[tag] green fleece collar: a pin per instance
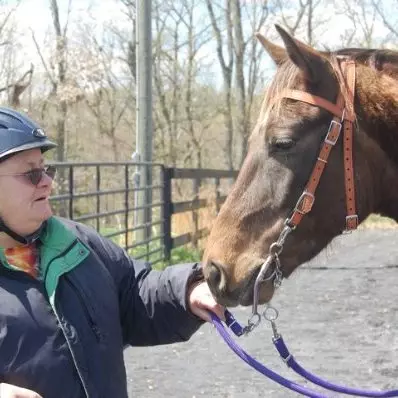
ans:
(60, 252)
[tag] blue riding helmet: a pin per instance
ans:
(19, 133)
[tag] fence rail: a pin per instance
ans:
(104, 196)
(195, 203)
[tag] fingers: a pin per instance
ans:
(202, 314)
(219, 310)
(201, 301)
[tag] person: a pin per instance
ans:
(71, 300)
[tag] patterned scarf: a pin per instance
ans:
(24, 258)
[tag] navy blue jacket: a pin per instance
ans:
(64, 335)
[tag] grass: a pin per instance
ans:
(183, 254)
(179, 255)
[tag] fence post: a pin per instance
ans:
(143, 201)
(126, 205)
(218, 194)
(166, 176)
(195, 215)
(71, 189)
(98, 187)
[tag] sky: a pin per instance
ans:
(35, 15)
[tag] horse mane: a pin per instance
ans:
(378, 84)
(285, 77)
(383, 60)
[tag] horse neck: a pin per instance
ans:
(377, 114)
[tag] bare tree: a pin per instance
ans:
(60, 80)
(257, 16)
(189, 81)
(179, 116)
(389, 23)
(107, 98)
(239, 47)
(196, 124)
(363, 19)
(226, 63)
(60, 96)
(17, 88)
(13, 81)
(56, 71)
(304, 19)
(247, 55)
(167, 79)
(239, 58)
(130, 59)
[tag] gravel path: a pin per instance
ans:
(339, 322)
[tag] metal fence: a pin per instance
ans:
(106, 196)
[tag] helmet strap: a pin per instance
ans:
(25, 240)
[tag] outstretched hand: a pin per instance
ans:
(201, 301)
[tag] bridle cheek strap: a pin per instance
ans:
(352, 217)
(344, 116)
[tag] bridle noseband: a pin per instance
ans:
(344, 117)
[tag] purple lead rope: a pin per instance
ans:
(291, 385)
(291, 362)
(280, 345)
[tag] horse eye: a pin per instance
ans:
(282, 144)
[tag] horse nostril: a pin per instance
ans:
(216, 277)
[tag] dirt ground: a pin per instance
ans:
(338, 316)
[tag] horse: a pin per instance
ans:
(322, 156)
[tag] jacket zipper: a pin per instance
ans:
(62, 326)
(71, 351)
(91, 321)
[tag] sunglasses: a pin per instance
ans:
(34, 176)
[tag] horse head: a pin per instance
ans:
(283, 152)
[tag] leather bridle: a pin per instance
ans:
(344, 116)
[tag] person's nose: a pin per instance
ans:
(45, 180)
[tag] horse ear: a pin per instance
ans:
(310, 61)
(278, 54)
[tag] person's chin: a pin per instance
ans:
(42, 210)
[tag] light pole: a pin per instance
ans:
(144, 133)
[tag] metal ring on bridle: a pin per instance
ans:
(257, 321)
(252, 323)
(275, 249)
(276, 275)
(270, 314)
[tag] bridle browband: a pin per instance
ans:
(343, 117)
